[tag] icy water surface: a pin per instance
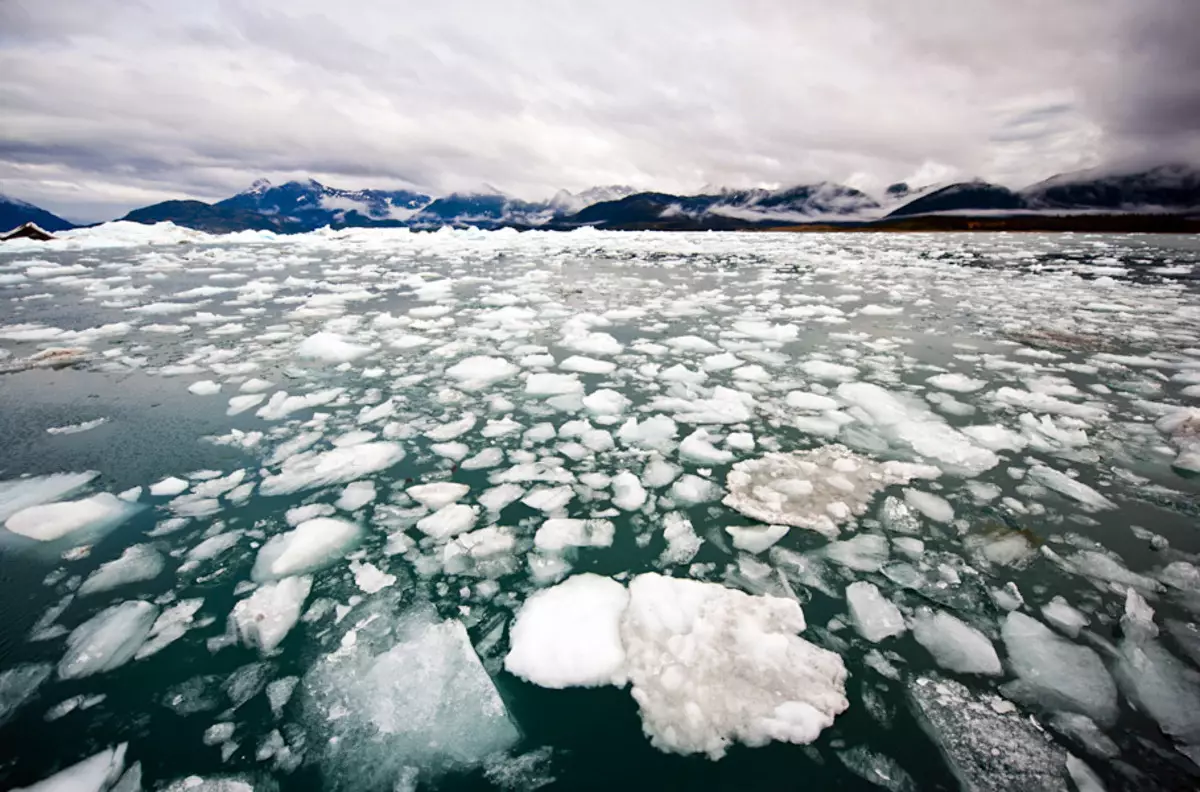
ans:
(379, 510)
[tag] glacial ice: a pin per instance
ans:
(48, 522)
(628, 493)
(136, 563)
(1065, 485)
(451, 519)
(97, 773)
(19, 494)
(873, 616)
(955, 645)
(18, 684)
(264, 619)
(818, 490)
(107, 640)
(309, 546)
(1056, 673)
(330, 348)
(437, 494)
(336, 466)
(569, 635)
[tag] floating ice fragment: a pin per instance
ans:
(690, 489)
(337, 466)
(1065, 485)
(1182, 427)
(94, 774)
(874, 617)
(239, 404)
(452, 519)
(605, 402)
(569, 635)
(107, 640)
(450, 431)
(656, 432)
(134, 565)
(817, 489)
(824, 370)
(330, 348)
(18, 684)
(204, 388)
(559, 533)
(309, 546)
(954, 644)
(959, 383)
(479, 372)
(755, 538)
(545, 384)
(932, 506)
(51, 521)
(264, 619)
(682, 541)
(437, 494)
(369, 578)
(697, 448)
(18, 494)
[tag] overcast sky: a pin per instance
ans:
(110, 104)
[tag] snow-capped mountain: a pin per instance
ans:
(14, 212)
(961, 197)
(566, 202)
(1166, 187)
(309, 204)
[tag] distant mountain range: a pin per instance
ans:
(299, 206)
(14, 213)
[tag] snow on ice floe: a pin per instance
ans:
(708, 665)
(311, 545)
(819, 490)
(569, 635)
(989, 746)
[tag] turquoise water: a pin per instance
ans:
(1094, 338)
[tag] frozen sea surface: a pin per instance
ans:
(381, 510)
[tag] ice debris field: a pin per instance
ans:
(381, 510)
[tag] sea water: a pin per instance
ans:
(372, 509)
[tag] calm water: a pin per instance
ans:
(1067, 348)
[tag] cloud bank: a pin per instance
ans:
(112, 104)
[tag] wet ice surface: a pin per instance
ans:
(381, 510)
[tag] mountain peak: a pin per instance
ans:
(258, 187)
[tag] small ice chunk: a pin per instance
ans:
(742, 441)
(107, 640)
(959, 383)
(135, 564)
(264, 619)
(587, 365)
(954, 644)
(697, 448)
(548, 384)
(559, 533)
(170, 626)
(605, 402)
(487, 458)
(569, 635)
(824, 370)
(1064, 617)
(810, 402)
(453, 450)
(1065, 485)
(451, 519)
(496, 498)
(18, 684)
(628, 493)
(337, 466)
(480, 372)
(369, 578)
(874, 617)
(438, 494)
(450, 431)
(866, 552)
(755, 538)
(279, 693)
(309, 546)
(932, 506)
(549, 499)
(239, 404)
(659, 473)
(656, 432)
(204, 388)
(691, 489)
(682, 541)
(330, 348)
(356, 495)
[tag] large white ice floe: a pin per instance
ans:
(401, 694)
(569, 635)
(311, 545)
(954, 644)
(988, 746)
(19, 494)
(77, 520)
(264, 619)
(1182, 428)
(336, 466)
(909, 424)
(107, 640)
(1055, 673)
(100, 772)
(820, 489)
(708, 665)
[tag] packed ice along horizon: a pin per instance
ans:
(390, 510)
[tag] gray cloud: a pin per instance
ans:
(109, 105)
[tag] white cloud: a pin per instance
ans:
(109, 104)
